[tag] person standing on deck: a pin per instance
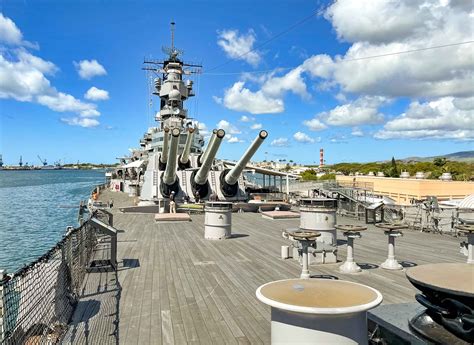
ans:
(172, 203)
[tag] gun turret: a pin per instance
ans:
(229, 178)
(169, 178)
(164, 153)
(199, 179)
(204, 155)
(183, 162)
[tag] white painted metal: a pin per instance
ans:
(297, 324)
(184, 158)
(320, 215)
(391, 263)
(234, 174)
(470, 248)
(218, 220)
(405, 174)
(305, 271)
(317, 329)
(420, 175)
(211, 151)
(350, 266)
(285, 252)
(166, 141)
(2, 309)
(169, 176)
(446, 177)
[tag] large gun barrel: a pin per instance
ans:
(201, 176)
(206, 152)
(233, 175)
(169, 177)
(184, 158)
(164, 153)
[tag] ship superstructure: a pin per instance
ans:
(171, 158)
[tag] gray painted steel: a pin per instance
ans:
(211, 151)
(233, 175)
(218, 220)
(169, 176)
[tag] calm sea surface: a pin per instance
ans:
(35, 208)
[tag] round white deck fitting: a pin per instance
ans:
(318, 311)
(319, 214)
(305, 238)
(468, 230)
(217, 220)
(392, 231)
(285, 252)
(351, 232)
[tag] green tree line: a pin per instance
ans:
(461, 171)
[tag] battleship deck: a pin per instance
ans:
(173, 286)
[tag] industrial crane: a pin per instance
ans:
(44, 162)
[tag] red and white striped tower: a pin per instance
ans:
(321, 158)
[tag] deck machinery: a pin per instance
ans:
(172, 152)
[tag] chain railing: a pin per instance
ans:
(37, 301)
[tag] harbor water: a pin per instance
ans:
(36, 206)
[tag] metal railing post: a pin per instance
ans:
(2, 307)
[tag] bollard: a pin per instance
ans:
(392, 231)
(311, 311)
(285, 252)
(218, 220)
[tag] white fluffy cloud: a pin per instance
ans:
(9, 32)
(374, 69)
(291, 81)
(11, 35)
(303, 138)
(314, 124)
(88, 69)
(375, 21)
(256, 126)
(245, 118)
(239, 98)
(228, 127)
(239, 46)
(233, 139)
(81, 122)
(95, 94)
(24, 77)
(62, 102)
(357, 132)
(362, 111)
(280, 142)
(269, 99)
(202, 128)
(385, 27)
(440, 119)
(26, 80)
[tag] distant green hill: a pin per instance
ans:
(463, 156)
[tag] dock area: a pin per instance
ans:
(174, 287)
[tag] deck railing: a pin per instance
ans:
(38, 300)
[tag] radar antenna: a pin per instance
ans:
(172, 34)
(172, 52)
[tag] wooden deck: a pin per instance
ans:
(173, 286)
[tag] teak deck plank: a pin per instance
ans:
(175, 287)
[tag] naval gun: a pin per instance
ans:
(170, 182)
(184, 162)
(164, 153)
(199, 183)
(211, 141)
(229, 178)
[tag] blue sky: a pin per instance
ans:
(304, 86)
